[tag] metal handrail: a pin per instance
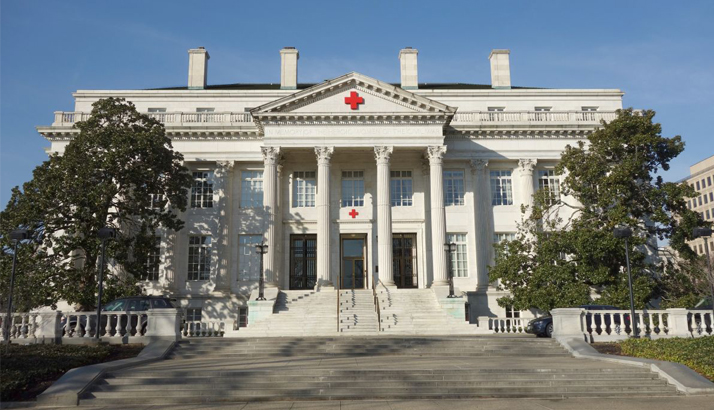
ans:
(376, 306)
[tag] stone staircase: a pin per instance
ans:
(298, 313)
(417, 312)
(357, 312)
(355, 368)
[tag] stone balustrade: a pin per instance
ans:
(79, 327)
(203, 329)
(502, 324)
(614, 325)
(532, 117)
(68, 118)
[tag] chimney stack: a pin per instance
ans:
(408, 65)
(289, 57)
(500, 69)
(197, 68)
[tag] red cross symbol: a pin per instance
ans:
(353, 213)
(353, 100)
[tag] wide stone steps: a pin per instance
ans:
(357, 313)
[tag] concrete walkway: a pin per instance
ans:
(649, 403)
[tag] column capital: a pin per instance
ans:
(435, 153)
(271, 155)
(527, 165)
(478, 165)
(324, 154)
(383, 154)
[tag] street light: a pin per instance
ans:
(449, 248)
(626, 233)
(704, 232)
(16, 236)
(261, 249)
(104, 235)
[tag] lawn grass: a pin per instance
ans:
(27, 370)
(696, 353)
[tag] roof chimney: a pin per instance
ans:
(408, 66)
(500, 69)
(197, 68)
(288, 68)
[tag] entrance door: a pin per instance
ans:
(303, 261)
(404, 262)
(353, 275)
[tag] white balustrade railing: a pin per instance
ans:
(203, 329)
(22, 326)
(700, 323)
(613, 325)
(491, 117)
(112, 324)
(63, 118)
(502, 324)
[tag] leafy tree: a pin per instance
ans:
(564, 249)
(120, 170)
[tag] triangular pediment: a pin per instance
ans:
(353, 94)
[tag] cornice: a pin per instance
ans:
(577, 134)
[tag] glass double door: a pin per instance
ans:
(353, 274)
(404, 260)
(303, 261)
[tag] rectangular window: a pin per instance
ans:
(243, 317)
(501, 237)
(711, 196)
(501, 187)
(248, 258)
(206, 109)
(193, 314)
(689, 204)
(158, 201)
(251, 189)
(304, 189)
(156, 110)
(153, 261)
(709, 181)
(588, 113)
(496, 109)
(699, 200)
(698, 188)
(541, 114)
(352, 188)
(199, 258)
(547, 180)
(512, 313)
(202, 190)
(542, 109)
(589, 109)
(706, 199)
(401, 188)
(453, 188)
(707, 214)
(459, 255)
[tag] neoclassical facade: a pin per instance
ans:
(350, 182)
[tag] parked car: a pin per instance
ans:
(543, 326)
(122, 305)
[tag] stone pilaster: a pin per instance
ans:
(525, 171)
(482, 218)
(438, 213)
(271, 158)
(224, 177)
(324, 275)
(383, 155)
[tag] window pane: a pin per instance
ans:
(453, 188)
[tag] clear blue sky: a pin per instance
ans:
(662, 56)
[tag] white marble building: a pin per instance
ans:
(351, 179)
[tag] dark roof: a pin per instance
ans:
(302, 86)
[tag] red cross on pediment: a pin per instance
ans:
(353, 100)
(353, 214)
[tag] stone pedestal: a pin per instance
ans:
(49, 327)
(165, 323)
(567, 323)
(678, 323)
(259, 310)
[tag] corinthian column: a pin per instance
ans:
(384, 216)
(525, 170)
(438, 213)
(271, 157)
(482, 217)
(324, 276)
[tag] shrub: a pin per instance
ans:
(697, 353)
(25, 367)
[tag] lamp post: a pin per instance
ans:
(261, 249)
(104, 235)
(626, 233)
(16, 236)
(449, 248)
(707, 233)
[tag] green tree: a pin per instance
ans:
(119, 170)
(564, 248)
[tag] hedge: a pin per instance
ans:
(697, 353)
(25, 367)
